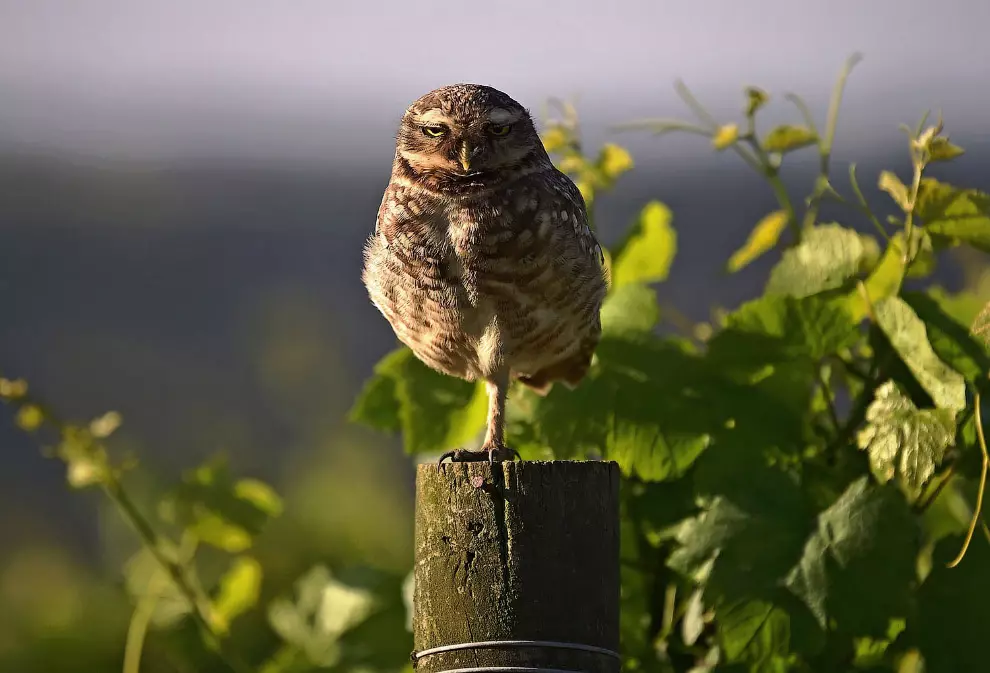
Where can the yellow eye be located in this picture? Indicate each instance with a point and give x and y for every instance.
(434, 131)
(502, 130)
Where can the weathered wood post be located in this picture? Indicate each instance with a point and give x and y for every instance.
(517, 567)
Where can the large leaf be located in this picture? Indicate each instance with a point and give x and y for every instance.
(809, 327)
(908, 336)
(435, 412)
(827, 257)
(951, 622)
(764, 236)
(648, 249)
(904, 440)
(630, 308)
(631, 409)
(865, 545)
(954, 213)
(950, 339)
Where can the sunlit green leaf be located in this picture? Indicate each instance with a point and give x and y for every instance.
(903, 440)
(892, 184)
(13, 389)
(555, 139)
(435, 412)
(613, 161)
(648, 249)
(630, 307)
(884, 281)
(954, 213)
(827, 257)
(787, 138)
(725, 136)
(30, 417)
(239, 589)
(763, 237)
(908, 336)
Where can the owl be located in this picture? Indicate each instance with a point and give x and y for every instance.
(482, 259)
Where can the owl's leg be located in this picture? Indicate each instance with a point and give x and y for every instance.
(493, 449)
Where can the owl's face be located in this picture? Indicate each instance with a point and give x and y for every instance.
(466, 131)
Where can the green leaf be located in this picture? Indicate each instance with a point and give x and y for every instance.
(903, 440)
(951, 621)
(725, 136)
(220, 510)
(827, 257)
(239, 590)
(787, 138)
(755, 632)
(145, 579)
(950, 339)
(648, 249)
(785, 328)
(884, 281)
(940, 149)
(323, 611)
(630, 308)
(892, 184)
(613, 161)
(954, 213)
(627, 411)
(865, 544)
(378, 406)
(755, 99)
(981, 325)
(764, 236)
(908, 336)
(435, 412)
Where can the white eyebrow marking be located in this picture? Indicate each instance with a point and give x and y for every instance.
(502, 116)
(433, 117)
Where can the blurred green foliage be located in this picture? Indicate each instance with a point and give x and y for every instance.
(802, 476)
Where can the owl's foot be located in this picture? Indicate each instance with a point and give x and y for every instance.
(492, 453)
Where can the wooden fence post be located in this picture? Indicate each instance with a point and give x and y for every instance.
(517, 567)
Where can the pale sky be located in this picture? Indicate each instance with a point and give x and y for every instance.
(327, 80)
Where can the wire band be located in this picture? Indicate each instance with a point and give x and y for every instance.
(548, 644)
(507, 669)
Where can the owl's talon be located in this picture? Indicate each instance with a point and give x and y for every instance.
(493, 454)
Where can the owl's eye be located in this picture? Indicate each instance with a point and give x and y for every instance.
(500, 130)
(434, 131)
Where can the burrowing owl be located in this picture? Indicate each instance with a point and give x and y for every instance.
(482, 260)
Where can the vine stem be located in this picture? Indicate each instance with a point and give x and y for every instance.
(117, 494)
(983, 483)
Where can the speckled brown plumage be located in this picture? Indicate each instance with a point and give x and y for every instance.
(482, 260)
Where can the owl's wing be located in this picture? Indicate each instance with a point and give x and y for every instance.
(568, 191)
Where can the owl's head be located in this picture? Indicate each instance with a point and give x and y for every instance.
(467, 130)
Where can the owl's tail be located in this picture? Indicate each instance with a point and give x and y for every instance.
(569, 372)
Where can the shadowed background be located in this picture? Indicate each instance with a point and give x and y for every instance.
(185, 188)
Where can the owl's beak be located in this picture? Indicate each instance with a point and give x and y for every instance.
(465, 156)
